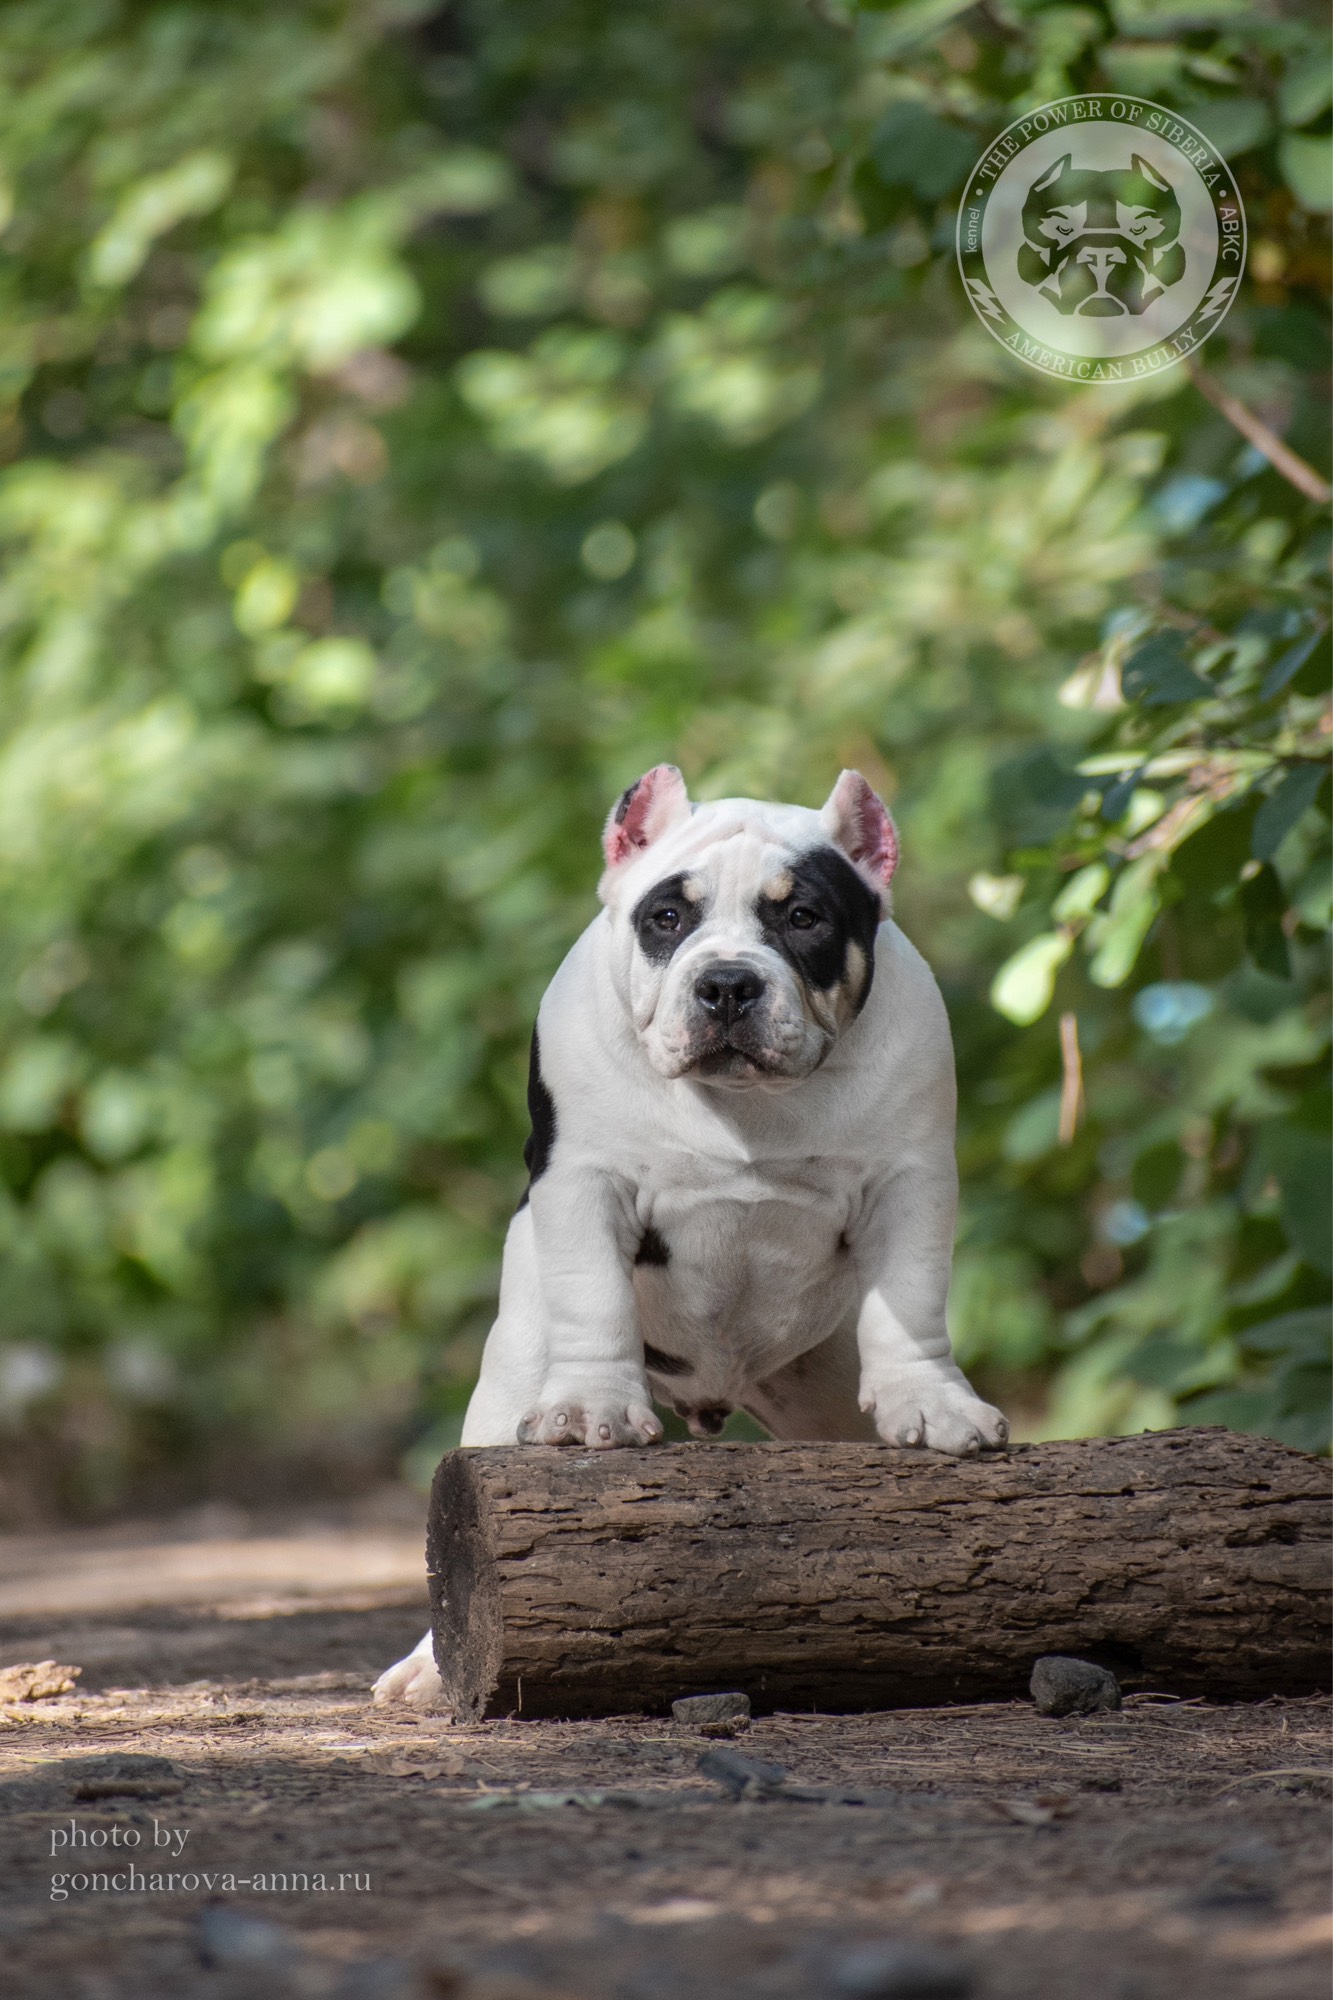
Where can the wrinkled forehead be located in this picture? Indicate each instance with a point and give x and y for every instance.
(731, 848)
(730, 876)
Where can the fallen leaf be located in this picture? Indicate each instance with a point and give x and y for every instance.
(38, 1681)
(423, 1764)
(1035, 1812)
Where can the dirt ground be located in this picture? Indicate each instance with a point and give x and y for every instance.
(1169, 1851)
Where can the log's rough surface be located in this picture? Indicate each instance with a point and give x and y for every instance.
(851, 1576)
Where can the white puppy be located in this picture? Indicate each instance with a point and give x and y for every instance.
(743, 1187)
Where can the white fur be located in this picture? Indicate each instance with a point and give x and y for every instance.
(809, 1216)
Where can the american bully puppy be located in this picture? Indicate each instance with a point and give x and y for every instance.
(743, 1188)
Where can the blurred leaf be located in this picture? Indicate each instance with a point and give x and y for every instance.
(1263, 905)
(1288, 666)
(1234, 124)
(1307, 89)
(1307, 166)
(1155, 18)
(1023, 986)
(1307, 1335)
(1283, 807)
(1160, 672)
(194, 186)
(1117, 936)
(914, 149)
(1082, 893)
(890, 33)
(1303, 1162)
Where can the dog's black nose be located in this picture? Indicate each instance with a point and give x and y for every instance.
(728, 991)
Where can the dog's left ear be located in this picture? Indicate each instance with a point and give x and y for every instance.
(858, 822)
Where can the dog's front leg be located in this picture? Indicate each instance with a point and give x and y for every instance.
(910, 1383)
(595, 1392)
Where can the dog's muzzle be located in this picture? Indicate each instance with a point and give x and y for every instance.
(730, 1010)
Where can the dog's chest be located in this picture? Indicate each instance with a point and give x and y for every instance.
(742, 1268)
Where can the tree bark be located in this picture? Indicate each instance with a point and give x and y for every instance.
(849, 1576)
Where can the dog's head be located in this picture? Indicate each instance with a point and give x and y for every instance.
(744, 933)
(1100, 244)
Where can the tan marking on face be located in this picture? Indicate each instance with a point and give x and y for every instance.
(779, 888)
(692, 889)
(854, 985)
(856, 969)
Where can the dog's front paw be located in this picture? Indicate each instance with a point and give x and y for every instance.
(934, 1409)
(415, 1679)
(599, 1417)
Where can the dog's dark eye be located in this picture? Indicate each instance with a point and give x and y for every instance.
(802, 919)
(666, 919)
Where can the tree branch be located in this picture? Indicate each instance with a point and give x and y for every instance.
(1280, 456)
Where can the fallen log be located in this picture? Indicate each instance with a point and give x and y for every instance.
(850, 1576)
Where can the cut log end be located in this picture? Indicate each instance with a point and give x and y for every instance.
(844, 1576)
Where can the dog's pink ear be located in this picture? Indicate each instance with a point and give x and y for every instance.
(858, 822)
(641, 815)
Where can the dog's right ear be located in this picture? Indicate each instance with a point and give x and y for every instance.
(1052, 174)
(643, 813)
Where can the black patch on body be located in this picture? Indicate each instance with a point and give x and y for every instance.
(658, 1363)
(848, 912)
(658, 941)
(541, 1110)
(652, 1248)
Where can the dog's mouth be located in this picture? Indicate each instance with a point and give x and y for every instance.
(737, 1059)
(728, 1059)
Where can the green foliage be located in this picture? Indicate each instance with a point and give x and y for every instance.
(416, 422)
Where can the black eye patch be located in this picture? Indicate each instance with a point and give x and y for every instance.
(829, 909)
(664, 918)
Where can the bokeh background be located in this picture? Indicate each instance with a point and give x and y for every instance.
(419, 419)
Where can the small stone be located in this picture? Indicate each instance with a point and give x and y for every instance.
(698, 1710)
(904, 1971)
(1063, 1686)
(379, 1979)
(1241, 1876)
(229, 1937)
(743, 1777)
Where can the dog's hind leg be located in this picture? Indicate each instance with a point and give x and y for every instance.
(513, 1366)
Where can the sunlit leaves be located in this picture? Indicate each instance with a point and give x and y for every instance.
(154, 205)
(325, 285)
(561, 406)
(511, 417)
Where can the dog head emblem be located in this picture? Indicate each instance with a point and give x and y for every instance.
(1101, 243)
